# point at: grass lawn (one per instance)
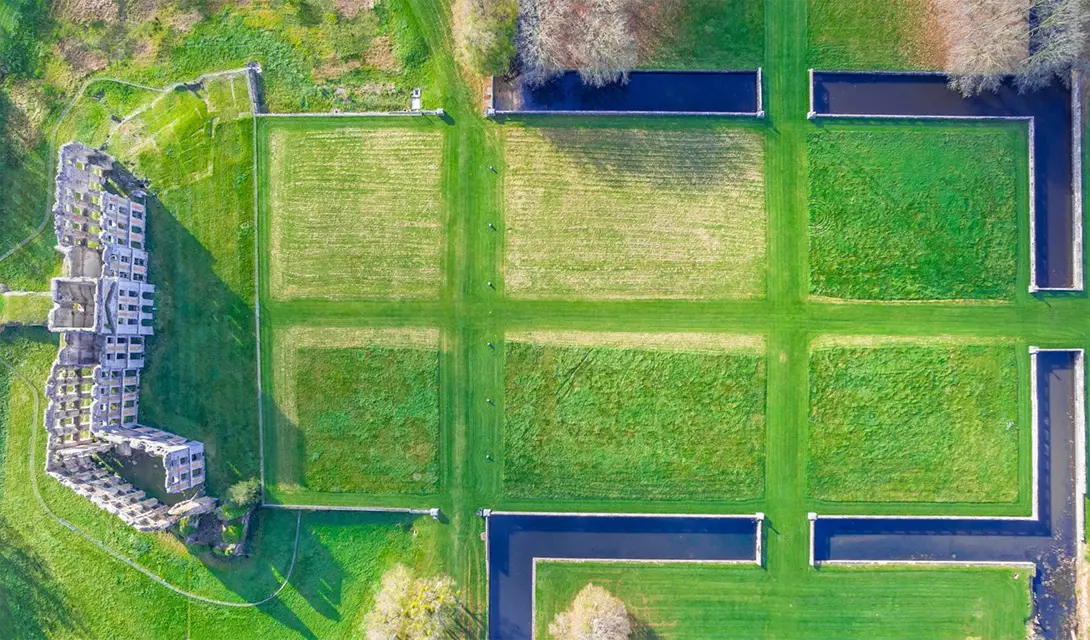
(25, 309)
(611, 213)
(678, 601)
(660, 417)
(357, 410)
(705, 34)
(42, 563)
(355, 209)
(866, 35)
(916, 212)
(925, 422)
(24, 186)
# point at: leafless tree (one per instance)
(594, 37)
(595, 614)
(1057, 40)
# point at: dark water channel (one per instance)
(676, 92)
(871, 95)
(1050, 542)
(515, 540)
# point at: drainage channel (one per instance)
(708, 93)
(515, 541)
(1055, 172)
(1046, 543)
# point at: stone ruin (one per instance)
(103, 309)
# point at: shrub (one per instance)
(408, 608)
(232, 533)
(246, 493)
(488, 35)
(595, 613)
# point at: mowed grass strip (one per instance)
(605, 213)
(915, 212)
(915, 423)
(589, 422)
(699, 601)
(357, 410)
(355, 213)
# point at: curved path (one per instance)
(32, 468)
(1055, 171)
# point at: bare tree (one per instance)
(595, 614)
(1057, 38)
(595, 37)
(408, 608)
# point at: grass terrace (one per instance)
(357, 411)
(612, 213)
(354, 208)
(903, 420)
(688, 601)
(634, 416)
(917, 212)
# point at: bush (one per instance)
(489, 34)
(408, 608)
(232, 533)
(246, 493)
(595, 613)
(187, 525)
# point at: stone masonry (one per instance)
(103, 307)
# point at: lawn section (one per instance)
(680, 601)
(923, 422)
(916, 212)
(651, 212)
(354, 208)
(866, 35)
(642, 416)
(702, 34)
(357, 411)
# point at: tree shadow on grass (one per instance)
(641, 629)
(31, 603)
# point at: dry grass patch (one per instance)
(687, 342)
(602, 213)
(355, 213)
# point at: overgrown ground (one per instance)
(683, 421)
(917, 423)
(378, 190)
(865, 35)
(917, 211)
(638, 212)
(357, 411)
(679, 601)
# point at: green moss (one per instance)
(915, 424)
(915, 211)
(625, 423)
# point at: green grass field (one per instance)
(378, 188)
(358, 411)
(612, 213)
(859, 34)
(916, 212)
(379, 232)
(683, 420)
(24, 309)
(678, 601)
(916, 422)
(704, 34)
